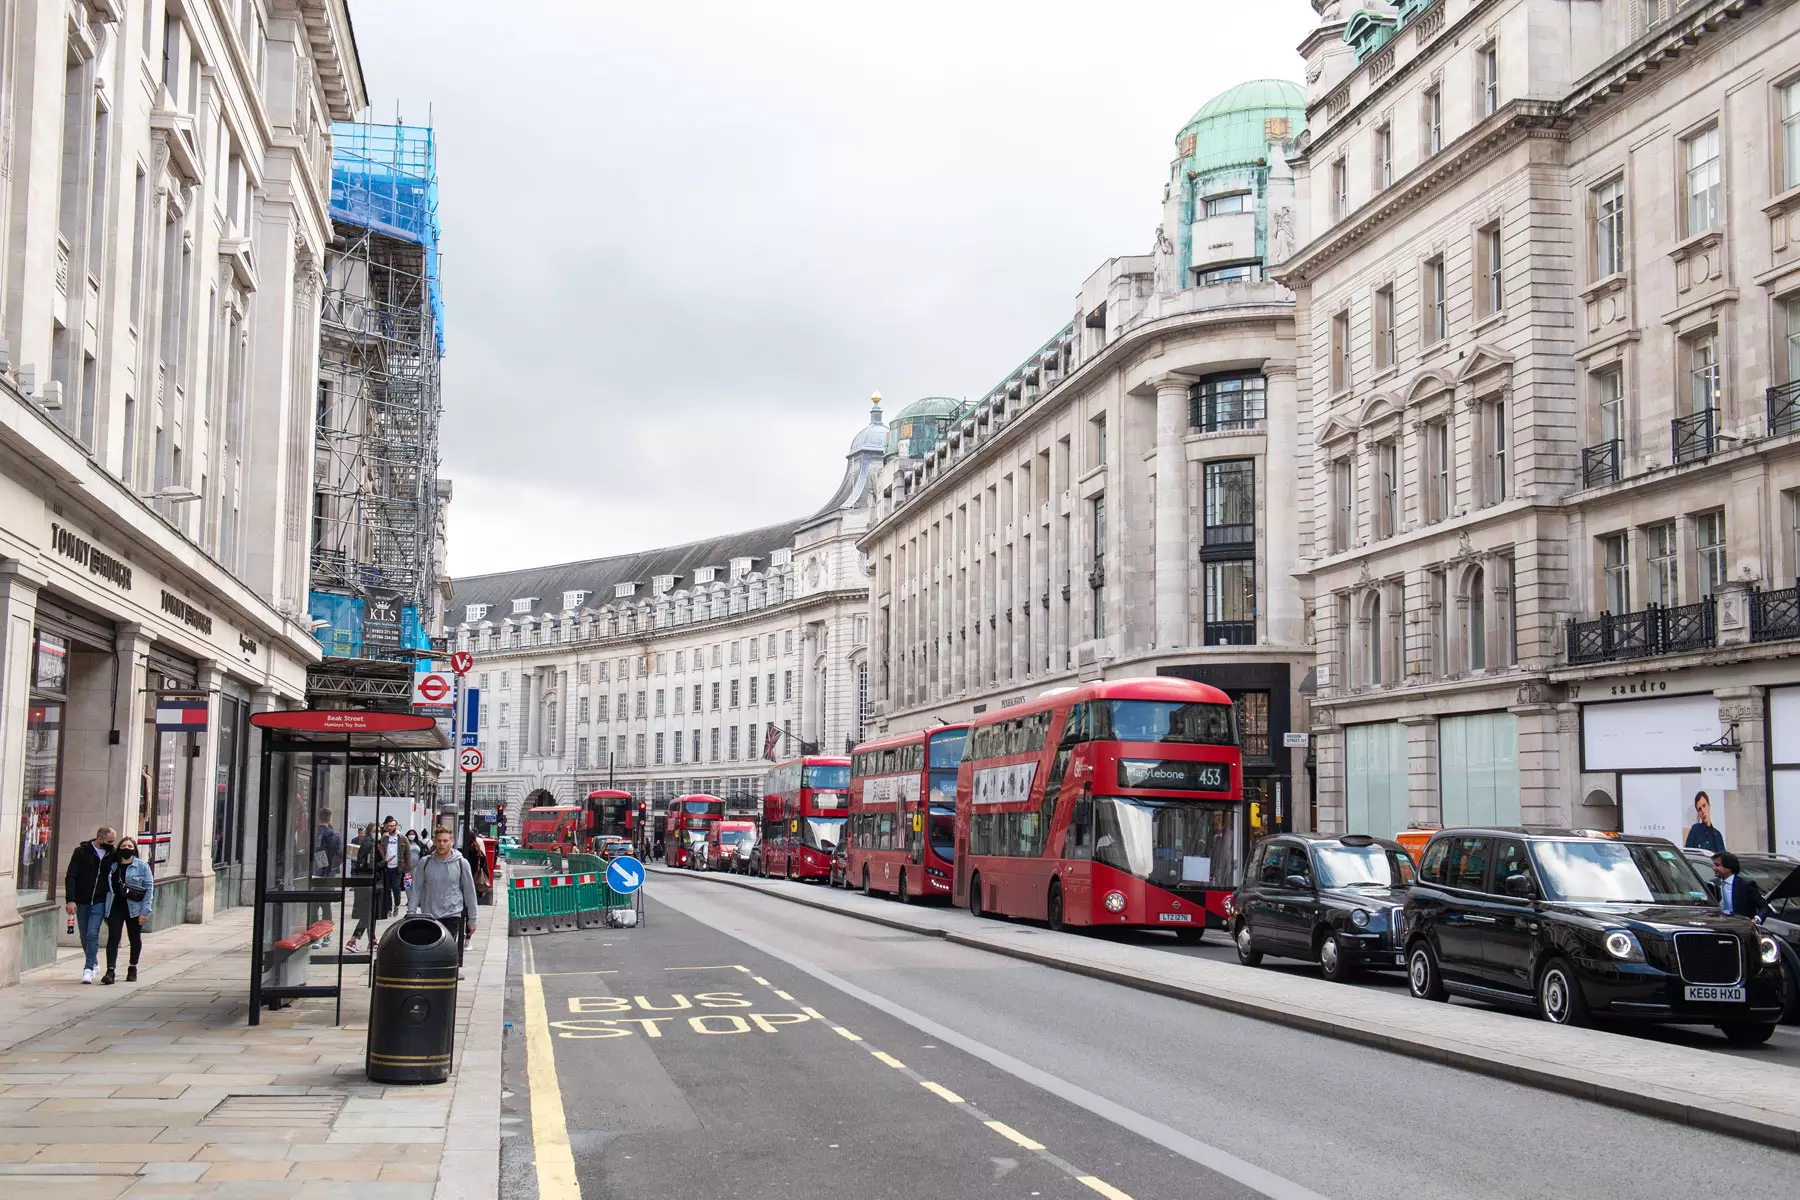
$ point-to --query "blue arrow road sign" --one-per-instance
(625, 875)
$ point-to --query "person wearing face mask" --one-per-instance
(130, 891)
(84, 887)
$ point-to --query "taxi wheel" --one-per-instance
(1560, 1000)
(1054, 909)
(1422, 972)
(1335, 962)
(1247, 952)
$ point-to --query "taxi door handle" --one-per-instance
(1478, 919)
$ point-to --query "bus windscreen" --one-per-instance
(833, 777)
(1165, 721)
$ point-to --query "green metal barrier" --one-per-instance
(542, 904)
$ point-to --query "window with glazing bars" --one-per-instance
(1615, 574)
(1660, 551)
(1227, 402)
(1709, 549)
(1609, 228)
(1229, 503)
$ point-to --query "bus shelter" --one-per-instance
(309, 758)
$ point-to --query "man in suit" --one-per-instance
(1738, 894)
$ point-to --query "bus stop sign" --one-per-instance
(625, 875)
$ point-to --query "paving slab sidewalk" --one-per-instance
(1744, 1098)
(111, 1092)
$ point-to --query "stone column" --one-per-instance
(1280, 533)
(1424, 798)
(197, 826)
(1171, 511)
(1747, 808)
(1543, 796)
(19, 584)
(119, 805)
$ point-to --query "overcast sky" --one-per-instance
(684, 241)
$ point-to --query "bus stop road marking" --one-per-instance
(940, 1091)
(845, 1033)
(889, 1059)
(559, 974)
(722, 967)
(1104, 1188)
(783, 995)
(549, 1126)
(762, 981)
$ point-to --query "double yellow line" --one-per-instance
(549, 1126)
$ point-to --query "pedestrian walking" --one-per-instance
(84, 888)
(396, 861)
(368, 895)
(130, 894)
(444, 888)
(478, 862)
(1702, 834)
(327, 865)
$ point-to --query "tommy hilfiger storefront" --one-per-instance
(129, 666)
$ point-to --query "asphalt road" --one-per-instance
(701, 1056)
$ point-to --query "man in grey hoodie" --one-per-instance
(444, 888)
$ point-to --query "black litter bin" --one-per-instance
(412, 1010)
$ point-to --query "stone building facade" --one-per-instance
(162, 217)
(1122, 503)
(1543, 295)
(662, 672)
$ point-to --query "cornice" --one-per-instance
(706, 628)
(1519, 120)
(1643, 56)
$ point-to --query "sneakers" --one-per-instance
(87, 975)
(350, 947)
(131, 974)
(325, 942)
(108, 977)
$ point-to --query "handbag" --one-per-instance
(135, 894)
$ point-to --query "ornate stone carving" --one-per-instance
(1281, 234)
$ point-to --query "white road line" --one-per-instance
(1213, 1158)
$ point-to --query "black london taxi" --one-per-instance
(1777, 876)
(1336, 901)
(1582, 925)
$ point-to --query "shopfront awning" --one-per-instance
(347, 730)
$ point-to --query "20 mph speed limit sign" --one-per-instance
(469, 760)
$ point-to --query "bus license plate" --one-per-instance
(1186, 917)
(1726, 994)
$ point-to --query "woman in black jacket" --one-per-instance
(366, 863)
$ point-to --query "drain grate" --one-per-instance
(275, 1112)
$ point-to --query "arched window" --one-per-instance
(1477, 621)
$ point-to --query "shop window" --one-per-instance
(39, 810)
(1375, 794)
(1478, 769)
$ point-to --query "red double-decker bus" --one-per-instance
(610, 813)
(688, 819)
(1113, 804)
(804, 805)
(903, 813)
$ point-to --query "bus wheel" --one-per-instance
(866, 889)
(1190, 937)
(787, 868)
(975, 909)
(903, 897)
(1054, 909)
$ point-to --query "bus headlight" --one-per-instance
(1115, 902)
(1771, 953)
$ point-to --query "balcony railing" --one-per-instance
(1643, 634)
(1775, 616)
(1230, 633)
(1784, 408)
(1600, 464)
(1695, 437)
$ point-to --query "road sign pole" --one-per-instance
(468, 802)
(456, 744)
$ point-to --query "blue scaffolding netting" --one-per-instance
(384, 178)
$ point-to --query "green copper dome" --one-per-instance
(922, 424)
(1231, 129)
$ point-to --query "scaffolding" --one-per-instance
(381, 339)
(375, 536)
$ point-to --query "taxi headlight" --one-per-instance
(1359, 918)
(1771, 953)
(1115, 902)
(1623, 946)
